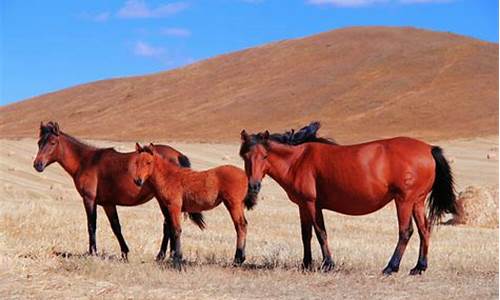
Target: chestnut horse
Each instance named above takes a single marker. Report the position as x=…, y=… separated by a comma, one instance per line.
x=317, y=174
x=102, y=177
x=185, y=190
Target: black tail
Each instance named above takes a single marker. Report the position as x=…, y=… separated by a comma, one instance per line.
x=251, y=200
x=442, y=199
x=198, y=219
x=184, y=161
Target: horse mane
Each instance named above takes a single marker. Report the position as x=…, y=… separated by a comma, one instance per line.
x=52, y=128
x=306, y=134
x=81, y=143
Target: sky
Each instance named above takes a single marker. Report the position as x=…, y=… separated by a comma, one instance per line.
x=49, y=45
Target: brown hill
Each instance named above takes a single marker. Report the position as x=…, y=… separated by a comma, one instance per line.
x=362, y=83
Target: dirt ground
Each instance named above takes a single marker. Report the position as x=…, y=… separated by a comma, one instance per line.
x=42, y=215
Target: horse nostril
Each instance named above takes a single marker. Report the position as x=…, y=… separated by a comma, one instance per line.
x=254, y=187
x=38, y=166
x=138, y=181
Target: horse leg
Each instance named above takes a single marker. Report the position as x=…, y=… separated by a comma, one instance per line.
x=167, y=235
x=320, y=230
x=404, y=208
x=112, y=215
x=424, y=234
x=91, y=210
x=240, y=225
x=175, y=216
x=306, y=230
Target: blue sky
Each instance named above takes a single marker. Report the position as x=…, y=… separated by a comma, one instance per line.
x=49, y=45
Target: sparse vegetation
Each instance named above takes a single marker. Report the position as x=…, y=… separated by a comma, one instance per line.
x=43, y=236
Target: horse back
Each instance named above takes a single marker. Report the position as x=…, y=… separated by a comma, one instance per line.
x=387, y=158
x=370, y=173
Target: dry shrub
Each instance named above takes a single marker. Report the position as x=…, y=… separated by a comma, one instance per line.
x=478, y=206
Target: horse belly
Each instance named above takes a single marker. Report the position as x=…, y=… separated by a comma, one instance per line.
x=356, y=206
x=360, y=203
x=123, y=194
x=200, y=201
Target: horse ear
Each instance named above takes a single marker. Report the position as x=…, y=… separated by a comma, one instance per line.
x=265, y=136
x=56, y=128
x=138, y=147
x=152, y=148
x=42, y=127
x=244, y=135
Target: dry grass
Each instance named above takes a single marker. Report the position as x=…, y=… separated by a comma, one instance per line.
x=41, y=214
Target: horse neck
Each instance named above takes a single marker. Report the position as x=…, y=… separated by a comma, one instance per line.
x=281, y=159
x=73, y=154
x=161, y=170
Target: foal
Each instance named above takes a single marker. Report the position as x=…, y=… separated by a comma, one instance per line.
x=102, y=177
x=185, y=190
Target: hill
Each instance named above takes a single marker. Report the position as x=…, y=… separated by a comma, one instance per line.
x=361, y=82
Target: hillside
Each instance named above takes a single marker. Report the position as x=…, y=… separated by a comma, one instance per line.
x=361, y=82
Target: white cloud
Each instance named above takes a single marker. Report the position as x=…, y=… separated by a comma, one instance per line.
x=345, y=3
x=176, y=32
x=95, y=17
x=146, y=50
x=135, y=9
x=171, y=58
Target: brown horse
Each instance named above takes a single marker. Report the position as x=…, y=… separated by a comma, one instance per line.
x=102, y=177
x=185, y=190
x=317, y=174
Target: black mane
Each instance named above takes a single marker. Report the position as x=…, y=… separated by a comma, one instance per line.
x=51, y=128
x=306, y=134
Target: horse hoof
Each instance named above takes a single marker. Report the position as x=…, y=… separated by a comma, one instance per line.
x=417, y=271
x=124, y=257
x=177, y=264
x=307, y=267
x=327, y=266
x=238, y=261
x=160, y=257
x=389, y=270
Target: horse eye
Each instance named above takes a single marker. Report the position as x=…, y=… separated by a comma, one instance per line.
x=52, y=143
x=148, y=163
x=265, y=156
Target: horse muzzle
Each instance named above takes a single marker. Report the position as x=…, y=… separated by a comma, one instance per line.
x=138, y=181
x=39, y=166
x=254, y=187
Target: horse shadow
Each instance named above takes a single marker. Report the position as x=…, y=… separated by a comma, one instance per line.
x=99, y=255
x=188, y=264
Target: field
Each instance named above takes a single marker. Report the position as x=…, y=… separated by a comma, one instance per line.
x=43, y=237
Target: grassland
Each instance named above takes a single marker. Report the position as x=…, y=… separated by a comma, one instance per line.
x=41, y=216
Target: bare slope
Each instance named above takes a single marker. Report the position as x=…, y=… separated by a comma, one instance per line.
x=362, y=82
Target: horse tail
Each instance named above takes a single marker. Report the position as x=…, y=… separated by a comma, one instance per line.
x=442, y=199
x=184, y=161
x=198, y=219
x=251, y=199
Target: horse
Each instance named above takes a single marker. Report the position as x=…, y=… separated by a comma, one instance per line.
x=317, y=173
x=186, y=190
x=102, y=177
